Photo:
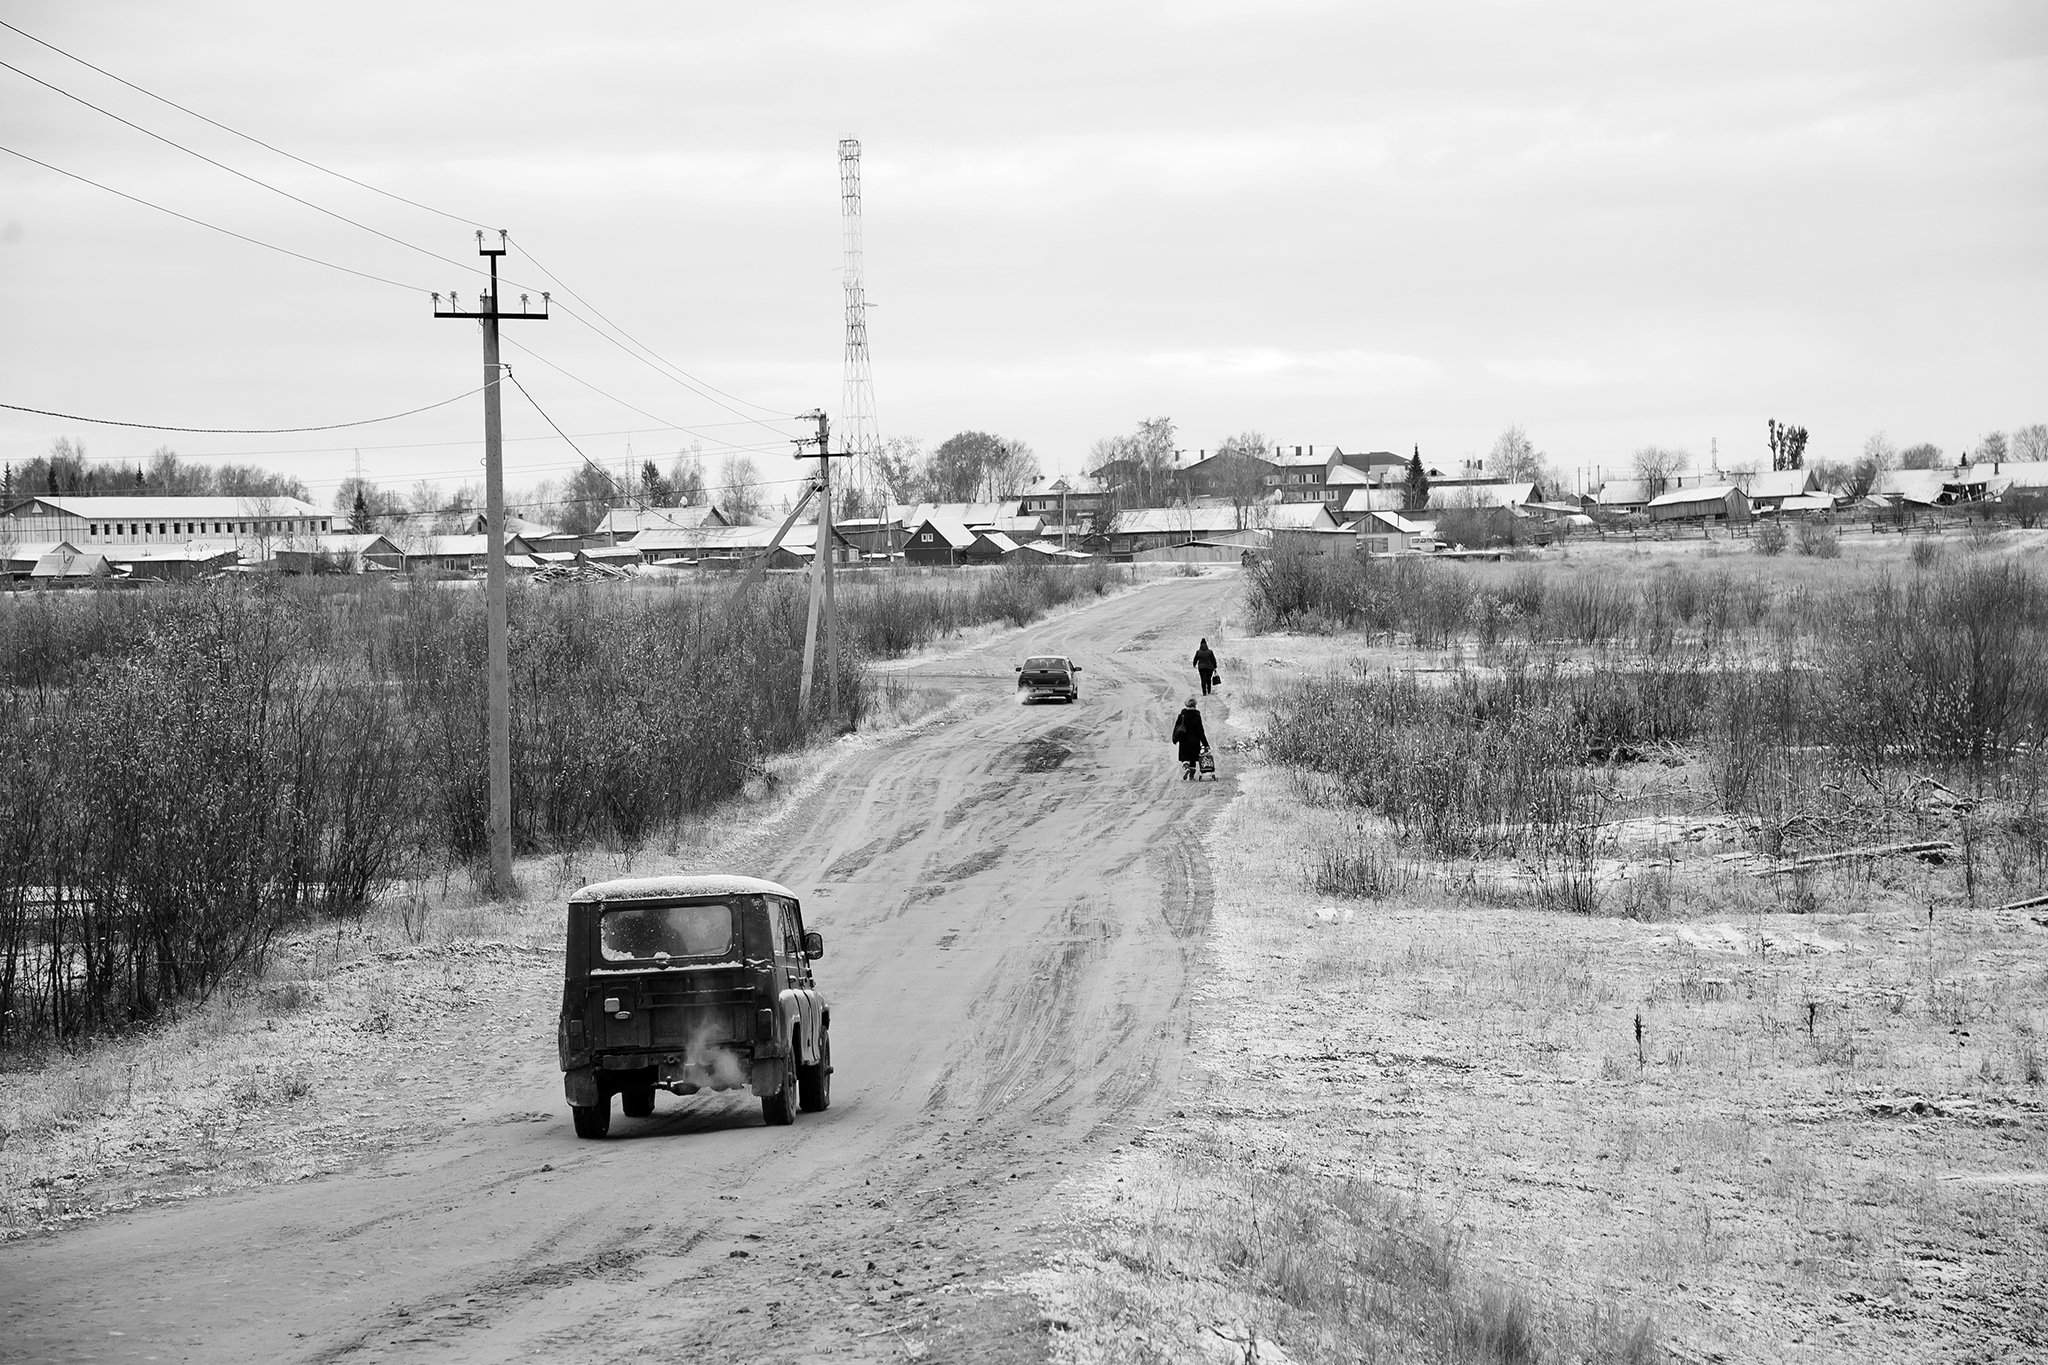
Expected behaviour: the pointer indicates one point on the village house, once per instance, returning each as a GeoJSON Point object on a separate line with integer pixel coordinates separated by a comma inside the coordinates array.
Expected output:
{"type": "Point", "coordinates": [1707, 504]}
{"type": "Point", "coordinates": [1390, 533]}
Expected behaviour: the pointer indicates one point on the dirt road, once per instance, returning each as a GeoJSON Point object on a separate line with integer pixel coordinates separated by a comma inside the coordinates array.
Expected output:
{"type": "Point", "coordinates": [1011, 899]}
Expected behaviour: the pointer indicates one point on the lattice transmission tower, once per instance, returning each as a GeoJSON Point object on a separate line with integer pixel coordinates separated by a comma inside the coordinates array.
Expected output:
{"type": "Point", "coordinates": [857, 433]}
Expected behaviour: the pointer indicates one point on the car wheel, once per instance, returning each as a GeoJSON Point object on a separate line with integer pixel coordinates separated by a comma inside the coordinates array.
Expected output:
{"type": "Point", "coordinates": [592, 1120]}
{"type": "Point", "coordinates": [814, 1083]}
{"type": "Point", "coordinates": [637, 1102]}
{"type": "Point", "coordinates": [780, 1107]}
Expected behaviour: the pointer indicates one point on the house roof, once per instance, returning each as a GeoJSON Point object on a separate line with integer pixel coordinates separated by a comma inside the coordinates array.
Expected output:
{"type": "Point", "coordinates": [2023, 473]}
{"type": "Point", "coordinates": [1051, 549]}
{"type": "Point", "coordinates": [1002, 543]}
{"type": "Point", "coordinates": [1712, 492]}
{"type": "Point", "coordinates": [1380, 498]}
{"type": "Point", "coordinates": [1078, 485]}
{"type": "Point", "coordinates": [1296, 516]}
{"type": "Point", "coordinates": [1622, 493]}
{"type": "Point", "coordinates": [184, 551]}
{"type": "Point", "coordinates": [968, 513]}
{"type": "Point", "coordinates": [65, 561]}
{"type": "Point", "coordinates": [801, 538]}
{"type": "Point", "coordinates": [1488, 494]}
{"type": "Point", "coordinates": [950, 529]}
{"type": "Point", "coordinates": [1923, 485]}
{"type": "Point", "coordinates": [1393, 521]}
{"type": "Point", "coordinates": [1307, 457]}
{"type": "Point", "coordinates": [455, 546]}
{"type": "Point", "coordinates": [1348, 474]}
{"type": "Point", "coordinates": [1782, 483]}
{"type": "Point", "coordinates": [1192, 521]}
{"type": "Point", "coordinates": [1808, 502]}
{"type": "Point", "coordinates": [141, 508]}
{"type": "Point", "coordinates": [626, 521]}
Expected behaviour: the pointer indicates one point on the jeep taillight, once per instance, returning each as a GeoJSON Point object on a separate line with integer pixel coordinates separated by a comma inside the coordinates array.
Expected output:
{"type": "Point", "coordinates": [764, 1025]}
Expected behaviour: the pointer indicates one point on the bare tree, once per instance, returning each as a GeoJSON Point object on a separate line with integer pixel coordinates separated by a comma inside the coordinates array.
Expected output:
{"type": "Point", "coordinates": [686, 478]}
{"type": "Point", "coordinates": [899, 468]}
{"type": "Point", "coordinates": [1241, 473]}
{"type": "Point", "coordinates": [1657, 466]}
{"type": "Point", "coordinates": [1991, 450]}
{"type": "Point", "coordinates": [1788, 445]}
{"type": "Point", "coordinates": [1925, 455]}
{"type": "Point", "coordinates": [2030, 443]}
{"type": "Point", "coordinates": [739, 487]}
{"type": "Point", "coordinates": [1515, 457]}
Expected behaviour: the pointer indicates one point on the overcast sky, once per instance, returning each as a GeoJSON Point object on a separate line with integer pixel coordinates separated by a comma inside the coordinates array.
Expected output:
{"type": "Point", "coordinates": [1376, 225]}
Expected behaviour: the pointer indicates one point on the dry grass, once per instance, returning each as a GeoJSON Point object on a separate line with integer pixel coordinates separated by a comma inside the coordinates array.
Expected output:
{"type": "Point", "coordinates": [1435, 1074]}
{"type": "Point", "coordinates": [1735, 1117]}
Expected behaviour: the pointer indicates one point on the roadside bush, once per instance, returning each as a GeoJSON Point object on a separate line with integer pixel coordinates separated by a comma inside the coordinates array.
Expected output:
{"type": "Point", "coordinates": [1818, 540]}
{"type": "Point", "coordinates": [1769, 538]}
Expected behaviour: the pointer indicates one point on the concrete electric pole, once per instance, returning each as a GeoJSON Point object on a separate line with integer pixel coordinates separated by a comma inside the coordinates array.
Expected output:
{"type": "Point", "coordinates": [498, 686]}
{"type": "Point", "coordinates": [821, 571]}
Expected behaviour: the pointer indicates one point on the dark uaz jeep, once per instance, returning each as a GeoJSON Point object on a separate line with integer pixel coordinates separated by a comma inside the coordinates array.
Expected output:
{"type": "Point", "coordinates": [689, 983]}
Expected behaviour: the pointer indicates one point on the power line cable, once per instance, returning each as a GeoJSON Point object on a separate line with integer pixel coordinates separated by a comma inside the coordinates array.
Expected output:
{"type": "Point", "coordinates": [744, 421]}
{"type": "Point", "coordinates": [327, 170]}
{"type": "Point", "coordinates": [679, 370]}
{"type": "Point", "coordinates": [702, 388]}
{"type": "Point", "coordinates": [637, 501]}
{"type": "Point", "coordinates": [244, 175]}
{"type": "Point", "coordinates": [215, 227]}
{"type": "Point", "coordinates": [244, 431]}
{"type": "Point", "coordinates": [573, 315]}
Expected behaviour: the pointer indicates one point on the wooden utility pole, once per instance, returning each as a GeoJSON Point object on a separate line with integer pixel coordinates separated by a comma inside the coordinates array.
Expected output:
{"type": "Point", "coordinates": [821, 571]}
{"type": "Point", "coordinates": [498, 686]}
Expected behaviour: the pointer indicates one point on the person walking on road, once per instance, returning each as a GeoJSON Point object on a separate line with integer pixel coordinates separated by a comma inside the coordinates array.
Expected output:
{"type": "Point", "coordinates": [1205, 664]}
{"type": "Point", "coordinates": [1189, 739]}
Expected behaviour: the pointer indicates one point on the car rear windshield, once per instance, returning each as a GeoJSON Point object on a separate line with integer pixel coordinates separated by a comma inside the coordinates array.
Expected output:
{"type": "Point", "coordinates": [644, 933]}
{"type": "Point", "coordinates": [1048, 664]}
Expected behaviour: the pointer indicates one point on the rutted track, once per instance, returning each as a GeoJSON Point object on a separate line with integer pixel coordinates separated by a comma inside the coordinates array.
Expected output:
{"type": "Point", "coordinates": [1009, 940]}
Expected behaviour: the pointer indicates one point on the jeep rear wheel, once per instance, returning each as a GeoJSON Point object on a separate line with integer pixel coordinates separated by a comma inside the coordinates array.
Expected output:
{"type": "Point", "coordinates": [814, 1083]}
{"type": "Point", "coordinates": [637, 1101]}
{"type": "Point", "coordinates": [592, 1120]}
{"type": "Point", "coordinates": [780, 1107]}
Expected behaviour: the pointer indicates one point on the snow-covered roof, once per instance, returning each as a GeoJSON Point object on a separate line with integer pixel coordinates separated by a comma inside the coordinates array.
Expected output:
{"type": "Point", "coordinates": [66, 562]}
{"type": "Point", "coordinates": [1679, 497]}
{"type": "Point", "coordinates": [1051, 549]}
{"type": "Point", "coordinates": [1296, 516]}
{"type": "Point", "coordinates": [1782, 483]}
{"type": "Point", "coordinates": [678, 886]}
{"type": "Point", "coordinates": [140, 508]}
{"type": "Point", "coordinates": [1484, 494]}
{"type": "Point", "coordinates": [1002, 543]}
{"type": "Point", "coordinates": [1189, 520]}
{"type": "Point", "coordinates": [1808, 502]}
{"type": "Point", "coordinates": [626, 521]}
{"type": "Point", "coordinates": [183, 551]}
{"type": "Point", "coordinates": [951, 529]}
{"type": "Point", "coordinates": [1387, 498]}
{"type": "Point", "coordinates": [1622, 493]}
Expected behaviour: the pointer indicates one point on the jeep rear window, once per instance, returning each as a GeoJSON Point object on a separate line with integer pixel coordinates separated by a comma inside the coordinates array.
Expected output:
{"type": "Point", "coordinates": [1051, 665]}
{"type": "Point", "coordinates": [653, 932]}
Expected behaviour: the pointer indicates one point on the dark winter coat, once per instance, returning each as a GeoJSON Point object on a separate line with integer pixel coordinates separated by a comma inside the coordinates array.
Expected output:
{"type": "Point", "coordinates": [1188, 736]}
{"type": "Point", "coordinates": [1205, 661]}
